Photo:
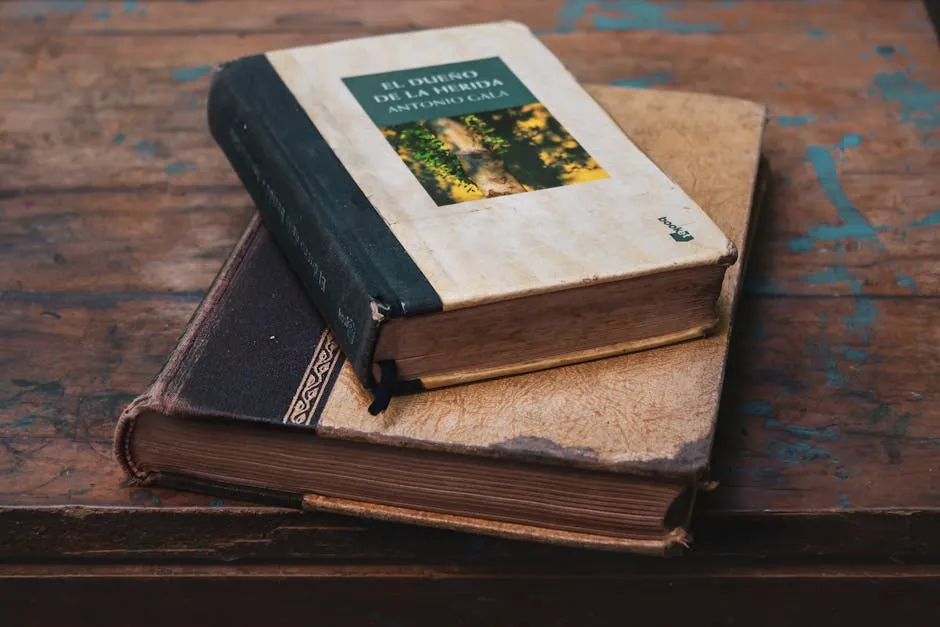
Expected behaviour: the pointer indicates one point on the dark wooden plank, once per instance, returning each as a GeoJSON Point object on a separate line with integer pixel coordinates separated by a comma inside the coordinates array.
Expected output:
{"type": "Point", "coordinates": [428, 596]}
{"type": "Point", "coordinates": [238, 534]}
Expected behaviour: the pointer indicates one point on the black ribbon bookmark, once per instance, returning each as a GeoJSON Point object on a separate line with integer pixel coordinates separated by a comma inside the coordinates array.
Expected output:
{"type": "Point", "coordinates": [383, 391]}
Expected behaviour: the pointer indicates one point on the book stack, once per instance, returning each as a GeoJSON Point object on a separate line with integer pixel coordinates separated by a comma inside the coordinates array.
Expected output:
{"type": "Point", "coordinates": [476, 295]}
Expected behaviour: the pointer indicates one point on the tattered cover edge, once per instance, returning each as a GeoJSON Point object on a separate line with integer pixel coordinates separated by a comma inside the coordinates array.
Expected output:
{"type": "Point", "coordinates": [672, 541]}
{"type": "Point", "coordinates": [759, 194]}
{"type": "Point", "coordinates": [160, 397]}
{"type": "Point", "coordinates": [697, 470]}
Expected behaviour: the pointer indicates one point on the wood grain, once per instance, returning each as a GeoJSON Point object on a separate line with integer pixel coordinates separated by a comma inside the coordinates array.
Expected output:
{"type": "Point", "coordinates": [117, 211]}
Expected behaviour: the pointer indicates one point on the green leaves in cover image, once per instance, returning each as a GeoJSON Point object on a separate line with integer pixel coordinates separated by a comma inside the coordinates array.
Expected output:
{"type": "Point", "coordinates": [493, 153]}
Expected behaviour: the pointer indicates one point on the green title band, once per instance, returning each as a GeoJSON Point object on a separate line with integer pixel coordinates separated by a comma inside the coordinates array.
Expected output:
{"type": "Point", "coordinates": [437, 91]}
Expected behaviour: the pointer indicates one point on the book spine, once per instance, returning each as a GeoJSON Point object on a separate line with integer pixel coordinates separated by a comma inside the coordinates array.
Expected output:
{"type": "Point", "coordinates": [165, 387]}
{"type": "Point", "coordinates": [241, 123]}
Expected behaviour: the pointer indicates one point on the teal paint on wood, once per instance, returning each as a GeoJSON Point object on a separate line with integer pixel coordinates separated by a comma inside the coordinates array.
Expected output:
{"type": "Point", "coordinates": [645, 80]}
{"type": "Point", "coordinates": [627, 15]}
{"type": "Point", "coordinates": [187, 74]}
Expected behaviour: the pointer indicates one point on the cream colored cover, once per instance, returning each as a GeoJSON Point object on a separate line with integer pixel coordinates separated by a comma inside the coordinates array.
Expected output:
{"type": "Point", "coordinates": [651, 412]}
{"type": "Point", "coordinates": [618, 225]}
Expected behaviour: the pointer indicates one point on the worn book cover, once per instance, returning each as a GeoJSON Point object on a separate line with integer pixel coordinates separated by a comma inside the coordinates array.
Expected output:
{"type": "Point", "coordinates": [623, 441]}
{"type": "Point", "coordinates": [442, 186]}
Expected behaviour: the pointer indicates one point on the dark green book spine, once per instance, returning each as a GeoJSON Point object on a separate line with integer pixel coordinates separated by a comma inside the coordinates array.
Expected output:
{"type": "Point", "coordinates": [351, 265]}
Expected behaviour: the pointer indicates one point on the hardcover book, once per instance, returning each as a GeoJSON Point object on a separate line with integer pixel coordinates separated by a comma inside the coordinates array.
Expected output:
{"type": "Point", "coordinates": [446, 216]}
{"type": "Point", "coordinates": [259, 401]}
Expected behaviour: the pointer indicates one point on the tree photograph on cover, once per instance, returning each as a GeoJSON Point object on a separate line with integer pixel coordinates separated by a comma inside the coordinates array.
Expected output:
{"type": "Point", "coordinates": [480, 155]}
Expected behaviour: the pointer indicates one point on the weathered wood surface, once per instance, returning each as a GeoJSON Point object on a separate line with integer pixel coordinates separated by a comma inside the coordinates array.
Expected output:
{"type": "Point", "coordinates": [117, 211]}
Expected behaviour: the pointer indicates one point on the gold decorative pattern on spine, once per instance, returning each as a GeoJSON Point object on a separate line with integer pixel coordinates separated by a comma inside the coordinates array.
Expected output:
{"type": "Point", "coordinates": [313, 384]}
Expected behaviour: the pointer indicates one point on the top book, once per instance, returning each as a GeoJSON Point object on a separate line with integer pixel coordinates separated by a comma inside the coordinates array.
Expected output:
{"type": "Point", "coordinates": [458, 207]}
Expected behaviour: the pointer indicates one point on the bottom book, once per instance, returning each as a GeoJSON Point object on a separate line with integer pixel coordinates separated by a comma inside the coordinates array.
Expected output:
{"type": "Point", "coordinates": [257, 401]}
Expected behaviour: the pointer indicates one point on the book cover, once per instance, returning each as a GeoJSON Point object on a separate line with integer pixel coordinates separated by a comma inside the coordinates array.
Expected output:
{"type": "Point", "coordinates": [257, 352]}
{"type": "Point", "coordinates": [440, 171]}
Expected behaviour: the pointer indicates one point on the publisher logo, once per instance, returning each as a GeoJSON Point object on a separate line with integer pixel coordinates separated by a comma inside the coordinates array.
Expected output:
{"type": "Point", "coordinates": [677, 232]}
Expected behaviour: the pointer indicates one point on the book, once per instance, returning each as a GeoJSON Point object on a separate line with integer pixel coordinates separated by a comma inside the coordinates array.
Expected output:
{"type": "Point", "coordinates": [258, 401]}
{"type": "Point", "coordinates": [451, 197]}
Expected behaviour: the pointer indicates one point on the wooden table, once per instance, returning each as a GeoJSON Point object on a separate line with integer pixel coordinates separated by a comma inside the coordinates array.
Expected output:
{"type": "Point", "coordinates": [117, 211]}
